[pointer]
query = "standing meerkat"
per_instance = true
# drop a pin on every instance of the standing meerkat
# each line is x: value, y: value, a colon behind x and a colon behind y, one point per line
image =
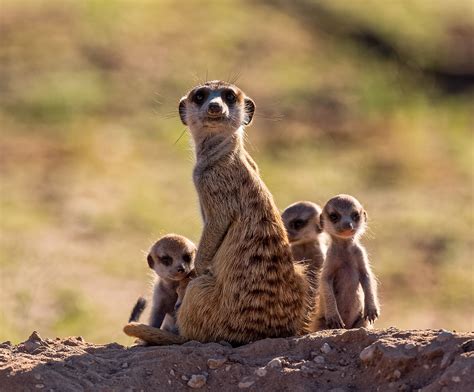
x: 302, y: 223
x: 172, y: 259
x: 247, y: 286
x: 347, y: 289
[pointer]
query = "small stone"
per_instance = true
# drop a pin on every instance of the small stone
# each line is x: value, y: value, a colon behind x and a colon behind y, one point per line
x: 368, y: 353
x: 343, y: 362
x: 246, y: 383
x: 397, y: 374
x: 227, y: 368
x: 426, y: 366
x: 261, y: 372
x: 124, y: 365
x: 39, y: 386
x: 325, y: 348
x: 37, y: 376
x: 184, y: 378
x: 81, y: 339
x: 172, y: 372
x: 197, y: 381
x: 7, y: 343
x: 275, y: 363
x: 409, y: 346
x: 214, y: 363
x: 35, y: 337
x: 456, y: 379
x: 319, y: 359
x: 444, y: 336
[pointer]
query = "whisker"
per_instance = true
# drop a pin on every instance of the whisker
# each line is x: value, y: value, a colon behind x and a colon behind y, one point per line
x: 180, y: 136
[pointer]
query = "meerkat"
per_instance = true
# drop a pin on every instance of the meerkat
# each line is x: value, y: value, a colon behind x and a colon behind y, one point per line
x: 302, y: 223
x: 172, y: 260
x: 247, y: 286
x: 347, y: 288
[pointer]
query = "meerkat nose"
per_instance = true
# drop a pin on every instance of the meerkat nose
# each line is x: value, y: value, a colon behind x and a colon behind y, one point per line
x: 180, y: 269
x: 347, y: 225
x: 214, y: 108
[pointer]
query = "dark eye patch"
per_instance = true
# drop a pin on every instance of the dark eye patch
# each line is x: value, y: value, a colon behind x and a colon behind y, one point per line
x: 298, y: 224
x: 334, y: 217
x: 355, y: 216
x: 200, y: 96
x: 187, y: 258
x: 166, y: 260
x: 229, y: 96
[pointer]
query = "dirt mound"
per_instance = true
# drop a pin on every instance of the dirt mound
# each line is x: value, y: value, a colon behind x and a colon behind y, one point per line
x: 338, y: 360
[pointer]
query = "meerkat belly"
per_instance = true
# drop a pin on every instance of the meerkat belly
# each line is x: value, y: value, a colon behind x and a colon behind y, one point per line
x: 348, y: 292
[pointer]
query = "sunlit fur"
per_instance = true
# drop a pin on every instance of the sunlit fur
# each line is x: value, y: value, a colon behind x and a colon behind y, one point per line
x: 247, y: 286
x: 348, y: 288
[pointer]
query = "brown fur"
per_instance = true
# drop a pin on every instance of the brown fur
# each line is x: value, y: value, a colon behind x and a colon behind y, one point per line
x: 247, y: 286
x: 348, y: 288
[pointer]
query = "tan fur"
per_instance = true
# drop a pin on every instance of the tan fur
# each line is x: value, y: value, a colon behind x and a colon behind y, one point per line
x: 348, y: 289
x: 247, y: 286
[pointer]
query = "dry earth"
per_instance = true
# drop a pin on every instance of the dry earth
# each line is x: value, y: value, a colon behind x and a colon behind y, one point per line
x: 338, y: 360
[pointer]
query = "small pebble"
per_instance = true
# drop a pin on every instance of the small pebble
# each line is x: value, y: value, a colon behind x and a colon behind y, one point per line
x: 319, y: 359
x: 275, y: 363
x: 39, y: 386
x: 214, y: 363
x: 425, y: 366
x: 227, y: 368
x: 444, y: 336
x: 325, y: 348
x: 172, y: 372
x: 261, y: 372
x: 367, y: 353
x: 397, y: 374
x: 38, y: 376
x: 197, y: 381
x: 246, y: 384
x: 456, y: 379
x: 409, y: 346
x: 185, y: 378
x: 124, y: 365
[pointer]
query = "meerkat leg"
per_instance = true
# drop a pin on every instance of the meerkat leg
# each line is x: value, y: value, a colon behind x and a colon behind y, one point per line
x: 212, y: 236
x: 163, y: 303
x: 332, y: 316
x: 369, y: 286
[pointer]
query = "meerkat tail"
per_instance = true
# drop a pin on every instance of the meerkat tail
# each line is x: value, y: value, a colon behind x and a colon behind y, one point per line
x: 137, y: 310
x: 153, y: 335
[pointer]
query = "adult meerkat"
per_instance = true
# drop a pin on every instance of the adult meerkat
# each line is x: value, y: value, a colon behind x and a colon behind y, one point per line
x: 247, y: 286
x: 347, y: 289
x: 172, y: 259
x: 302, y: 223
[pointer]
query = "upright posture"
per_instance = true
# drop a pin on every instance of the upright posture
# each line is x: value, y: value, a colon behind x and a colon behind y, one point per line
x: 302, y: 223
x: 172, y: 259
x: 247, y: 286
x: 347, y: 289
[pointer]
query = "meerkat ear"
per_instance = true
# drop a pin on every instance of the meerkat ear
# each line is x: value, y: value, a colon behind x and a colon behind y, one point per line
x: 150, y: 261
x: 366, y: 217
x: 249, y: 106
x: 182, y: 110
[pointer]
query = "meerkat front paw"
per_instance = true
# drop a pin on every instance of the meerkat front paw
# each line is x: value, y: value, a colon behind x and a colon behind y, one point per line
x: 371, y: 313
x: 334, y: 321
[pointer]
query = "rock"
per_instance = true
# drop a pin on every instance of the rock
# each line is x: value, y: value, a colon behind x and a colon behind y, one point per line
x: 444, y: 336
x: 261, y: 372
x: 468, y: 346
x: 397, y: 374
x: 275, y: 363
x: 409, y: 346
x: 124, y: 365
x: 325, y: 348
x: 246, y: 383
x: 197, y: 381
x: 343, y: 362
x: 35, y: 337
x: 31, y: 346
x: 368, y: 353
x: 319, y: 359
x: 39, y: 386
x: 215, y: 363
x: 456, y: 379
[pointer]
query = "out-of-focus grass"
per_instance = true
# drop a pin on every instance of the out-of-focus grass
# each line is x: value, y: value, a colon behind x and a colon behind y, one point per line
x: 90, y: 174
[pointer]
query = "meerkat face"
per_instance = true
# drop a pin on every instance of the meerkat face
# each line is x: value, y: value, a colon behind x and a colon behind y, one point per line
x: 172, y: 257
x: 301, y: 221
x: 216, y: 107
x: 344, y: 217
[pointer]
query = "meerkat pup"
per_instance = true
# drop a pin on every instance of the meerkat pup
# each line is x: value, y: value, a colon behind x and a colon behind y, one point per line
x: 347, y: 288
x: 302, y: 223
x: 172, y: 259
x: 247, y: 286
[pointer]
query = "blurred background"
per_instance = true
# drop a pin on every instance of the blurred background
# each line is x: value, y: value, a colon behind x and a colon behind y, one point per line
x: 371, y: 98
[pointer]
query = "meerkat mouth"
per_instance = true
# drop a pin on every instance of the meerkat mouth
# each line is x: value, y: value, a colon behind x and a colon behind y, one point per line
x: 347, y: 233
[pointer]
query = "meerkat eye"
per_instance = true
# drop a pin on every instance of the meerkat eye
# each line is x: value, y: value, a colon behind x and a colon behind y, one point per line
x: 186, y: 257
x: 199, y: 96
x: 298, y: 224
x: 334, y: 217
x: 355, y: 216
x: 166, y: 260
x: 230, y: 96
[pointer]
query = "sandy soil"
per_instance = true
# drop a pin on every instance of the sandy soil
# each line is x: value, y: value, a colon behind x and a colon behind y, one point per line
x: 337, y: 361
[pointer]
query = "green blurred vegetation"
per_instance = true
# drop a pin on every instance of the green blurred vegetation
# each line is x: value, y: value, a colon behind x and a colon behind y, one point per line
x: 356, y: 97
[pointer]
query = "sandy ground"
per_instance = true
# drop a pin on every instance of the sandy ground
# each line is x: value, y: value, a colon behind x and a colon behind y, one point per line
x: 337, y: 361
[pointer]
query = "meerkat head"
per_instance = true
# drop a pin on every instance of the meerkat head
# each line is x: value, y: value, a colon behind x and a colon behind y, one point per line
x: 301, y: 221
x: 216, y: 107
x: 344, y: 217
x: 172, y: 257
